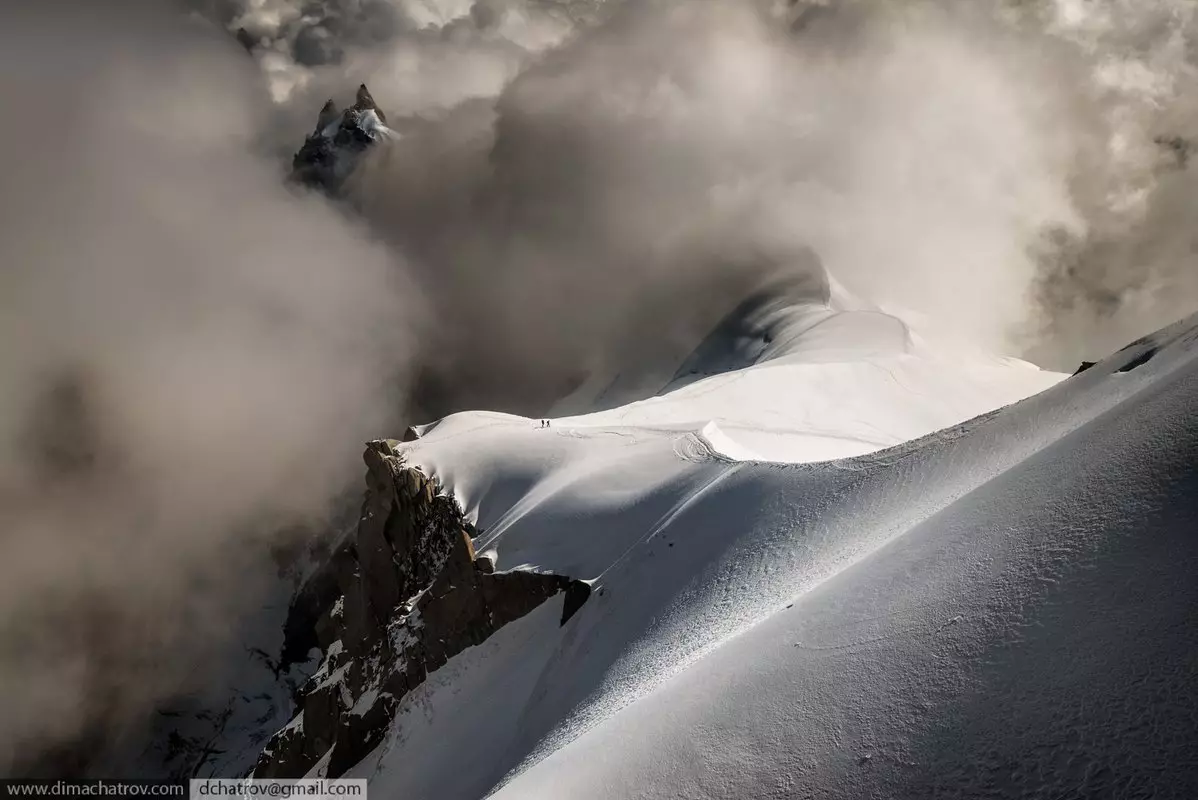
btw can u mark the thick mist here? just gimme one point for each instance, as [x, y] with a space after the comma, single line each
[1128, 268]
[624, 187]
[190, 358]
[191, 353]
[998, 170]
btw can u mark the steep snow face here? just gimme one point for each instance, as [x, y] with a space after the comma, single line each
[1001, 608]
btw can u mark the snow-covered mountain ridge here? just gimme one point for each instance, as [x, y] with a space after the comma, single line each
[990, 608]
[996, 609]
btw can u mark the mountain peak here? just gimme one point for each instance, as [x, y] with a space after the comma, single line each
[328, 115]
[365, 102]
[332, 151]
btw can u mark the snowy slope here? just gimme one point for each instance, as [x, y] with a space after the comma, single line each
[1004, 612]
[1003, 607]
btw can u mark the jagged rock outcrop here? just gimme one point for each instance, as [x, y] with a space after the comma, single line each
[331, 152]
[397, 600]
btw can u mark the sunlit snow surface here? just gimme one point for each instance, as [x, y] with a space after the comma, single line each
[1003, 607]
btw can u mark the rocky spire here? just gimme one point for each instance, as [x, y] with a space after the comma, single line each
[366, 103]
[328, 115]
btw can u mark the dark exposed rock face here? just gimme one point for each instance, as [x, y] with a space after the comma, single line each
[330, 154]
[394, 603]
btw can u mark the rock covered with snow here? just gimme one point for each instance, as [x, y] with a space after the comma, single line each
[397, 600]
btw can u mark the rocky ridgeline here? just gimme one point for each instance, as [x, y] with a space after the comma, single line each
[395, 601]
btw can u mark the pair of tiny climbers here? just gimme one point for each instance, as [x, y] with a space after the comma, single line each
[544, 423]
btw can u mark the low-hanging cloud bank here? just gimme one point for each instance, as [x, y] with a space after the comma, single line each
[190, 353]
